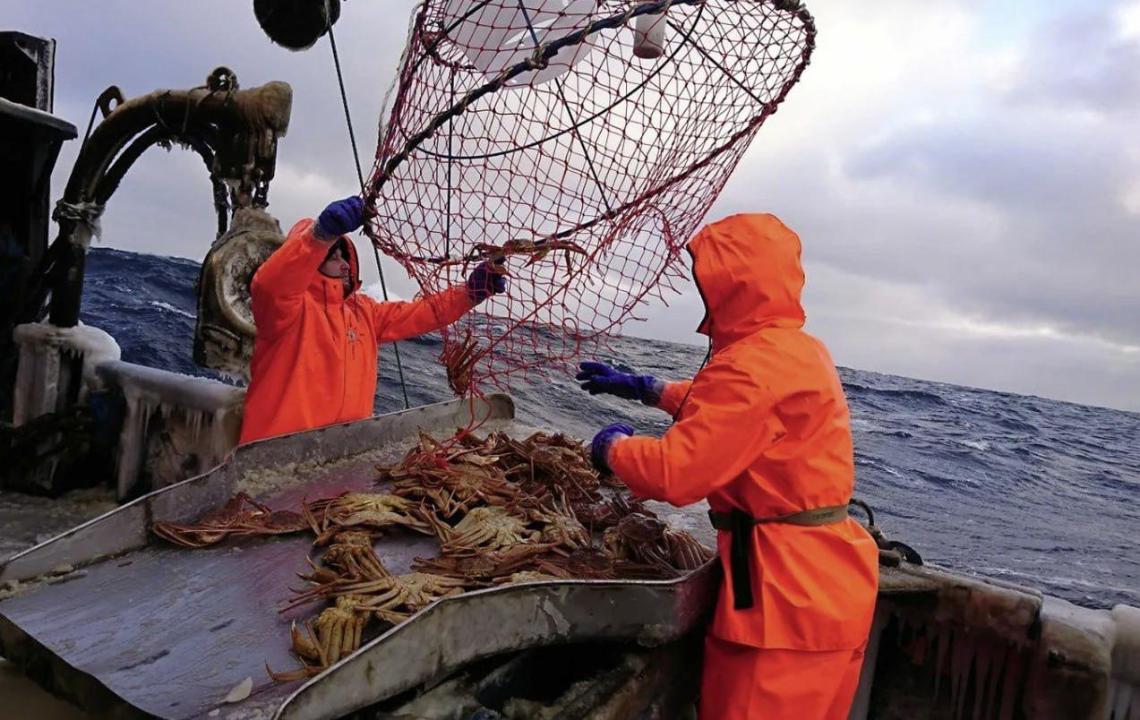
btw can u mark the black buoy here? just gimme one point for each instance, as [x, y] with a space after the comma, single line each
[296, 24]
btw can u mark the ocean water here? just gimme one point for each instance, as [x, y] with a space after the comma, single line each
[1032, 491]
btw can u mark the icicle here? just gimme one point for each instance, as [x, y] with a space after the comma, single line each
[901, 624]
[147, 410]
[1123, 705]
[981, 676]
[962, 660]
[215, 430]
[132, 438]
[919, 647]
[1011, 683]
[194, 410]
[199, 421]
[1001, 657]
[944, 636]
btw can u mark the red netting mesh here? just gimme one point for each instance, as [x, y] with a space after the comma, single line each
[529, 129]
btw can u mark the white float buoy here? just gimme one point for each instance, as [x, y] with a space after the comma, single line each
[649, 36]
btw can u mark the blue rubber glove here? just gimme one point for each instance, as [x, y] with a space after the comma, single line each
[601, 378]
[600, 447]
[485, 281]
[341, 217]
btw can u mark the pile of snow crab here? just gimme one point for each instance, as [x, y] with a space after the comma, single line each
[503, 510]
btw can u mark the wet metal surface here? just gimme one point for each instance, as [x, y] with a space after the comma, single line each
[130, 623]
[174, 630]
[26, 520]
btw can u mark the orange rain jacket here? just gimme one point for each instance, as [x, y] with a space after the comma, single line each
[314, 359]
[764, 428]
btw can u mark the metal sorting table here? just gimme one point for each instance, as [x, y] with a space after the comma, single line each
[119, 622]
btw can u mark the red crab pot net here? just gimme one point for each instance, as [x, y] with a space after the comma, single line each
[531, 130]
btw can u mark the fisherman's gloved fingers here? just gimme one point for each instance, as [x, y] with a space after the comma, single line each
[590, 369]
[341, 217]
[486, 280]
[603, 441]
[601, 378]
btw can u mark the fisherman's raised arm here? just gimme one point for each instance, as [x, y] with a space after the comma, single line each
[280, 283]
[400, 320]
[290, 270]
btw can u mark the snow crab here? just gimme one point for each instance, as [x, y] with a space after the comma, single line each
[481, 569]
[560, 525]
[336, 633]
[459, 359]
[241, 516]
[584, 564]
[393, 598]
[604, 514]
[537, 250]
[397, 598]
[641, 538]
[542, 463]
[458, 488]
[329, 516]
[351, 553]
[483, 529]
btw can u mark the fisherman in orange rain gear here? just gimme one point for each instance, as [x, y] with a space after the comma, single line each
[314, 359]
[763, 433]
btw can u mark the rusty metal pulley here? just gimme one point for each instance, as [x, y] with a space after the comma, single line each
[296, 24]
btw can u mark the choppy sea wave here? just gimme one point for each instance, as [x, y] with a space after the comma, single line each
[1028, 490]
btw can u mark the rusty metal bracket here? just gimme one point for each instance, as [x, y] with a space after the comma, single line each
[111, 94]
[235, 132]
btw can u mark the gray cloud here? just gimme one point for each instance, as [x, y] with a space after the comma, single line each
[968, 199]
[1062, 242]
[977, 237]
[1081, 60]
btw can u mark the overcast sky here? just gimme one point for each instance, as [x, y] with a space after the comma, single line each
[965, 176]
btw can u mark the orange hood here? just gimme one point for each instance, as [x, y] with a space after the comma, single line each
[747, 269]
[329, 289]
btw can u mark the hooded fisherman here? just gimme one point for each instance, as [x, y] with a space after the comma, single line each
[763, 433]
[314, 359]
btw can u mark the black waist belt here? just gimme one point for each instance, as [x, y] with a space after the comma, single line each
[740, 524]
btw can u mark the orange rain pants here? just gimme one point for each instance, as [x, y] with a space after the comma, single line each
[764, 429]
[315, 357]
[744, 682]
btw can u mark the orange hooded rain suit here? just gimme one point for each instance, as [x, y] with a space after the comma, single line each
[314, 359]
[764, 428]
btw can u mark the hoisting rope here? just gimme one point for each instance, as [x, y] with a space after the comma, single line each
[360, 178]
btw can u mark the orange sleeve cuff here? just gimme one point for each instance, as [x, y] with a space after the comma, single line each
[673, 396]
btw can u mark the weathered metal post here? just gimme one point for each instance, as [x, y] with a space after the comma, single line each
[30, 140]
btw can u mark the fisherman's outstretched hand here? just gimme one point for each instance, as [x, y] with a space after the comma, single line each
[486, 280]
[606, 437]
[341, 217]
[598, 378]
